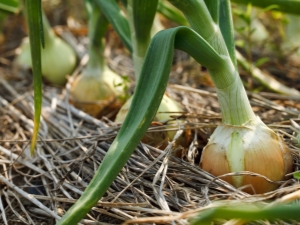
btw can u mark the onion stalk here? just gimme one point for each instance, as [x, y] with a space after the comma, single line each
[58, 58]
[97, 88]
[242, 142]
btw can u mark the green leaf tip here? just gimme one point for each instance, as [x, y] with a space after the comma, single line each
[34, 138]
[33, 12]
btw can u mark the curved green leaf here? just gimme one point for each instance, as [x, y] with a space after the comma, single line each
[9, 5]
[34, 21]
[143, 15]
[201, 20]
[117, 19]
[197, 15]
[248, 213]
[170, 12]
[146, 100]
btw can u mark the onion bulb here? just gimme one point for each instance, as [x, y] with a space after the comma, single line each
[58, 58]
[96, 92]
[250, 147]
[168, 109]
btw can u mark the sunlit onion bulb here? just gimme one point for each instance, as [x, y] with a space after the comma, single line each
[93, 93]
[252, 147]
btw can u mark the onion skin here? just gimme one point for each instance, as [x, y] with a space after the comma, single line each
[260, 151]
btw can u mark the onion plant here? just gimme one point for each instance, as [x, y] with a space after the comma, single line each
[97, 87]
[140, 18]
[242, 142]
[135, 33]
[56, 52]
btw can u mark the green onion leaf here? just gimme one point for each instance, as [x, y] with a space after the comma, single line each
[10, 5]
[117, 19]
[213, 7]
[33, 12]
[227, 29]
[248, 213]
[140, 17]
[172, 13]
[143, 15]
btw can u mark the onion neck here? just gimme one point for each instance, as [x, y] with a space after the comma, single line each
[234, 104]
[49, 35]
[139, 45]
[97, 28]
[232, 96]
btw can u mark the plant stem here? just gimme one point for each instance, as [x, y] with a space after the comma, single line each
[140, 18]
[282, 212]
[234, 103]
[49, 35]
[139, 47]
[97, 28]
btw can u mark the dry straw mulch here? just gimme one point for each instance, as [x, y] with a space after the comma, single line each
[154, 187]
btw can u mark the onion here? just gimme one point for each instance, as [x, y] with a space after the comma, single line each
[96, 94]
[58, 58]
[97, 90]
[166, 112]
[250, 147]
